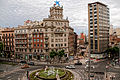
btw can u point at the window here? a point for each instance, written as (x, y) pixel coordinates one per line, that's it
(51, 35)
(52, 45)
(56, 44)
(25, 50)
(34, 50)
(65, 40)
(34, 45)
(37, 40)
(40, 35)
(65, 44)
(61, 44)
(34, 40)
(91, 46)
(29, 50)
(37, 35)
(91, 26)
(37, 45)
(51, 29)
(37, 30)
(34, 35)
(65, 35)
(41, 40)
(41, 45)
(95, 44)
(52, 40)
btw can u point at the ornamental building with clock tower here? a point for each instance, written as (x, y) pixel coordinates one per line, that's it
(42, 37)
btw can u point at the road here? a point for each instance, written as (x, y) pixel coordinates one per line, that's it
(80, 69)
(21, 72)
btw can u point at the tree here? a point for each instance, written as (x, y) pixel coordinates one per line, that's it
(53, 54)
(112, 52)
(82, 53)
(1, 47)
(61, 54)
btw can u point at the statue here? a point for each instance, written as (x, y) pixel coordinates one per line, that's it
(57, 3)
(57, 76)
(46, 68)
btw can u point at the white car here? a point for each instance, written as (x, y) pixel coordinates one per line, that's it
(70, 67)
(92, 67)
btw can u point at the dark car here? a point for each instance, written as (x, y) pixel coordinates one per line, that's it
(78, 63)
(23, 62)
(31, 63)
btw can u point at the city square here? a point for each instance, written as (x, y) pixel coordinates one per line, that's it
(57, 48)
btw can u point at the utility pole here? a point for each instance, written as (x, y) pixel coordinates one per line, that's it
(119, 54)
(89, 64)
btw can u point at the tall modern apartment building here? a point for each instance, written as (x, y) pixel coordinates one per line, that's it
(98, 24)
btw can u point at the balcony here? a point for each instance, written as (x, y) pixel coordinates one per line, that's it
(20, 33)
(46, 37)
(30, 42)
(30, 47)
(30, 37)
(46, 47)
(21, 47)
(59, 32)
(38, 32)
(46, 42)
(21, 38)
(20, 42)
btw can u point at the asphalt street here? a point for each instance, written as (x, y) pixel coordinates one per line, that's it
(80, 69)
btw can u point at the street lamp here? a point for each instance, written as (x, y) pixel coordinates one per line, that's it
(106, 67)
(119, 54)
(112, 77)
(89, 62)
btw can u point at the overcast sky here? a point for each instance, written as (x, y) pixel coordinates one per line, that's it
(15, 12)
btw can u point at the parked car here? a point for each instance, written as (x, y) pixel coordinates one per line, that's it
(91, 75)
(25, 66)
(78, 63)
(23, 62)
(70, 67)
(87, 66)
(31, 63)
(87, 61)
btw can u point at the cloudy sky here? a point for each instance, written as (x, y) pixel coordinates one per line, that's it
(15, 12)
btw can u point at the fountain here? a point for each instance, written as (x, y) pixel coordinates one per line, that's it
(51, 73)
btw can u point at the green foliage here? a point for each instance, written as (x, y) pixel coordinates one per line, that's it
(53, 54)
(113, 52)
(61, 53)
(1, 46)
(82, 53)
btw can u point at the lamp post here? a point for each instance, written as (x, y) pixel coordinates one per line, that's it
(112, 77)
(89, 65)
(89, 62)
(106, 67)
(119, 54)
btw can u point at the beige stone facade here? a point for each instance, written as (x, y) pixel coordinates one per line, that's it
(8, 41)
(36, 39)
(1, 29)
